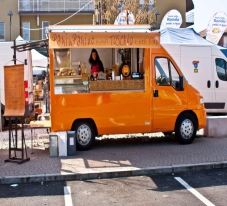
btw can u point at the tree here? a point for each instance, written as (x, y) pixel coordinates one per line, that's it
(143, 10)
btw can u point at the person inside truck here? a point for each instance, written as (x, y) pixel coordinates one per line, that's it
(95, 62)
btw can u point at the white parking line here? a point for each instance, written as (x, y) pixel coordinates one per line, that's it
(194, 192)
(67, 195)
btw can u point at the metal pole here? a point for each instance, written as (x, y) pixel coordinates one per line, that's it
(14, 52)
(100, 13)
(10, 24)
(156, 16)
(0, 119)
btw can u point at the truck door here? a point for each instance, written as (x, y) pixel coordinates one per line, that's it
(220, 84)
(196, 65)
(168, 100)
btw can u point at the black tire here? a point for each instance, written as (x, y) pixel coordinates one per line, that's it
(186, 128)
(85, 134)
(3, 121)
(167, 133)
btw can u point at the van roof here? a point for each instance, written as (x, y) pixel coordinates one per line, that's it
(100, 28)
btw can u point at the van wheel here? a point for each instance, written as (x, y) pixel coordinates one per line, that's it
(186, 128)
(85, 135)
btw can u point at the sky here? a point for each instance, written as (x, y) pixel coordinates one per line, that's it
(204, 10)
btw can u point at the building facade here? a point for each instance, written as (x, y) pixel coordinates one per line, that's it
(31, 17)
(7, 6)
(36, 15)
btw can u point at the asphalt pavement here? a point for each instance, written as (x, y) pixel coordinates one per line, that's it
(113, 156)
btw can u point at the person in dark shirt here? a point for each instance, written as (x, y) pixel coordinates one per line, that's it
(96, 63)
(46, 97)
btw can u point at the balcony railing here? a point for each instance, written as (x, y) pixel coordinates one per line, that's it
(37, 6)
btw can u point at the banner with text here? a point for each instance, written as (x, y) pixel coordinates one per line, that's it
(104, 40)
(172, 19)
(216, 27)
(14, 90)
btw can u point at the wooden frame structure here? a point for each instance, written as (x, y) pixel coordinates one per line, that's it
(14, 139)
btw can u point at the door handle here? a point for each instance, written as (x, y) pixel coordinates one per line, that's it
(155, 93)
(208, 84)
(217, 84)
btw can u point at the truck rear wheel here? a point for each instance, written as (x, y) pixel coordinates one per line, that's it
(85, 134)
(186, 128)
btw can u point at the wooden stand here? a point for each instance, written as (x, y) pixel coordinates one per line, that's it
(14, 139)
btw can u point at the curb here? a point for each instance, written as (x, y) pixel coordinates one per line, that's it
(111, 174)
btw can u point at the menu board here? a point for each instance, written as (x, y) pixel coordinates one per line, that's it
(14, 90)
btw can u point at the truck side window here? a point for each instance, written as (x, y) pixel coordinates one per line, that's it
(175, 78)
(166, 74)
(221, 69)
(162, 71)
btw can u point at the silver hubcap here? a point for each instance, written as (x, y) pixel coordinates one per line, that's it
(84, 134)
(187, 129)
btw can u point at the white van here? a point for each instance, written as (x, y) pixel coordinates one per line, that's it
(6, 58)
(203, 64)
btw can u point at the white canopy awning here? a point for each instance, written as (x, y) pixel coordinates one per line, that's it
(38, 60)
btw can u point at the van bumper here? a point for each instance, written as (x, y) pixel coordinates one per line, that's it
(201, 115)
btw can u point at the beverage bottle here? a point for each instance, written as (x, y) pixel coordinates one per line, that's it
(79, 70)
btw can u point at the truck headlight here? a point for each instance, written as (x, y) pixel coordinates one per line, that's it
(201, 101)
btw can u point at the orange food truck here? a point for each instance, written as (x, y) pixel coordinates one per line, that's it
(141, 89)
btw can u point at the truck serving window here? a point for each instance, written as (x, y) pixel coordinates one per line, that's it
(89, 70)
(166, 73)
(221, 67)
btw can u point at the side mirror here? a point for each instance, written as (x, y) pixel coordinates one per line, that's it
(181, 83)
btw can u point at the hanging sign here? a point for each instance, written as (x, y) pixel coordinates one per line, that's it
(14, 90)
(172, 19)
(104, 39)
(216, 27)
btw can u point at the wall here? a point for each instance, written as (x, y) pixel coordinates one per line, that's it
(5, 6)
(166, 5)
(53, 19)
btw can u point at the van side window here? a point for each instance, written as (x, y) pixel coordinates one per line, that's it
(166, 73)
(162, 71)
(175, 77)
(221, 69)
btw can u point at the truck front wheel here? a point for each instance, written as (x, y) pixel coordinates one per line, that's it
(85, 135)
(186, 128)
